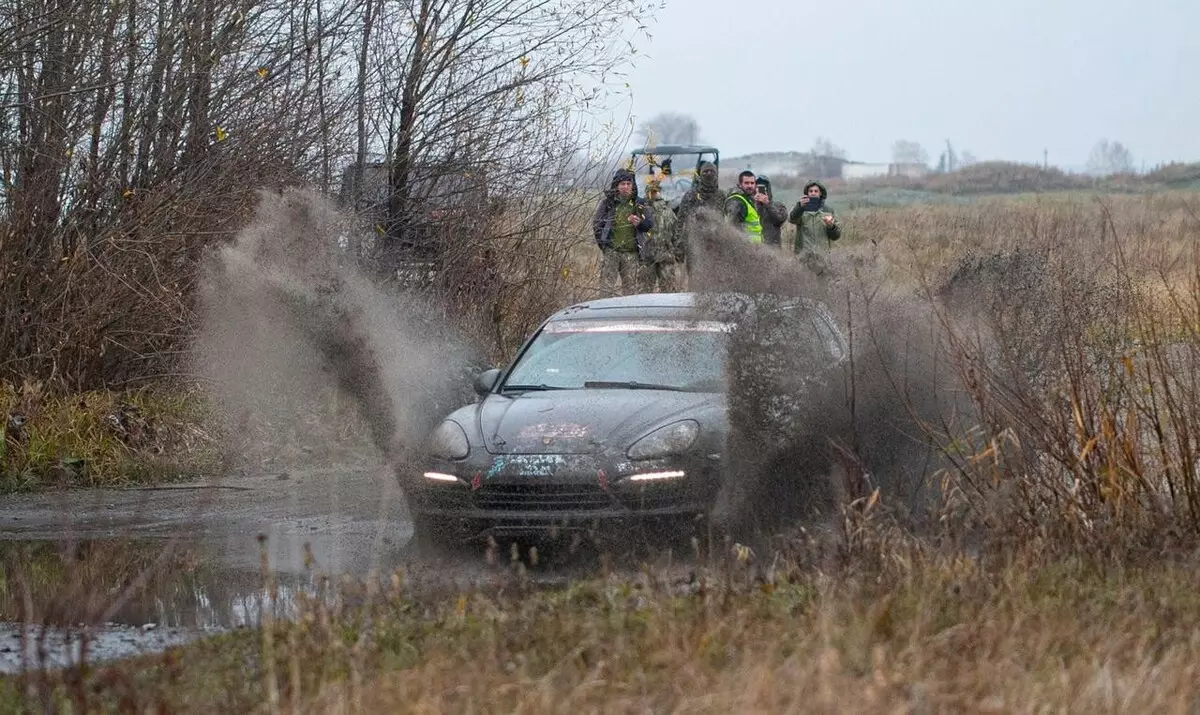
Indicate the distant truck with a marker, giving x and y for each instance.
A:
(674, 166)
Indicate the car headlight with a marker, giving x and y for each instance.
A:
(449, 441)
(665, 441)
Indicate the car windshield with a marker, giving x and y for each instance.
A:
(662, 354)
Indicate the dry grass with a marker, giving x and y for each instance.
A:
(941, 637)
(915, 631)
(1058, 574)
(1153, 236)
(101, 438)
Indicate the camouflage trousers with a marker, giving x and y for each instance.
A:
(621, 272)
(662, 277)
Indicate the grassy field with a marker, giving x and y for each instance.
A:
(1058, 573)
(891, 626)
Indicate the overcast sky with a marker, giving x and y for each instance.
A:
(1003, 80)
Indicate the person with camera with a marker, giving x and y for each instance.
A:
(744, 204)
(816, 224)
(620, 226)
(773, 213)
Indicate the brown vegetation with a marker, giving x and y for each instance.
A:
(133, 138)
(1055, 571)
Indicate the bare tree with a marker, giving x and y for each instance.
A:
(134, 134)
(474, 92)
(905, 151)
(669, 128)
(823, 147)
(1109, 157)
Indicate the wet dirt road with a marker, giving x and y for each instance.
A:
(148, 568)
(352, 517)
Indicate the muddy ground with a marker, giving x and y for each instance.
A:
(197, 548)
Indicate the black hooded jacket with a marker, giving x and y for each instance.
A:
(773, 215)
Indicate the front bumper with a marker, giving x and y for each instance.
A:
(537, 492)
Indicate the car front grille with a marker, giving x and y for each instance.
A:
(541, 497)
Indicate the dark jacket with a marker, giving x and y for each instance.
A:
(773, 215)
(602, 221)
(812, 235)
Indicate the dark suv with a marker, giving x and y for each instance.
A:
(613, 410)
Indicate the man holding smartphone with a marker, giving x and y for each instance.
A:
(744, 204)
(774, 214)
(816, 223)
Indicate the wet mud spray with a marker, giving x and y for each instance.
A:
(861, 428)
(285, 315)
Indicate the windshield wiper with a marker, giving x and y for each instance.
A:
(530, 388)
(633, 385)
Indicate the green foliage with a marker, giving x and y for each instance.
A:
(101, 438)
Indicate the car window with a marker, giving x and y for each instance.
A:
(680, 354)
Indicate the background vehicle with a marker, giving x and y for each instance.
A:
(613, 410)
(674, 165)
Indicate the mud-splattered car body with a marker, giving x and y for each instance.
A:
(613, 410)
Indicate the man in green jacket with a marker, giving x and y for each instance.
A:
(620, 226)
(816, 223)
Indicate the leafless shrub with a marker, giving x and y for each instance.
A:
(1080, 363)
(133, 136)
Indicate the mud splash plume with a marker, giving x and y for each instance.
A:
(868, 427)
(286, 314)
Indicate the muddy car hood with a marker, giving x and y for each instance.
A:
(586, 421)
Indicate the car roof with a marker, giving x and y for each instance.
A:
(655, 305)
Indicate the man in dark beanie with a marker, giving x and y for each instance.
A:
(619, 226)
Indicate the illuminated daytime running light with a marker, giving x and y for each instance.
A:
(654, 476)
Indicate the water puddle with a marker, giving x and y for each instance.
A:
(129, 597)
(136, 595)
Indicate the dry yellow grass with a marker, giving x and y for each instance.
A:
(1079, 593)
(101, 438)
(903, 630)
(938, 635)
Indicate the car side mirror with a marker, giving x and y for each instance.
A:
(486, 380)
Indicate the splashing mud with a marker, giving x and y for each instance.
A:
(844, 433)
(286, 315)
